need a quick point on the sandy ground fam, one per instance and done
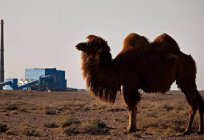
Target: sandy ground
(77, 116)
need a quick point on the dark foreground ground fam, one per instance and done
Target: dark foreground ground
(77, 116)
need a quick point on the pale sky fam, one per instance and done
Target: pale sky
(43, 33)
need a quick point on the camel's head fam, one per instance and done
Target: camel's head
(93, 46)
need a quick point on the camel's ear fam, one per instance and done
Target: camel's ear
(92, 37)
(97, 39)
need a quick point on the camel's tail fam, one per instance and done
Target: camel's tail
(202, 106)
(201, 101)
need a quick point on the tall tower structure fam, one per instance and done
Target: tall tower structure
(2, 53)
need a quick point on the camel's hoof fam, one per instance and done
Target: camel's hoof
(131, 130)
(200, 132)
(186, 133)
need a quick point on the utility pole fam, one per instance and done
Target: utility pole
(2, 53)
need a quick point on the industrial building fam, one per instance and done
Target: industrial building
(48, 79)
(41, 79)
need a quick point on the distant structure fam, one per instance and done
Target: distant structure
(40, 79)
(49, 78)
(2, 53)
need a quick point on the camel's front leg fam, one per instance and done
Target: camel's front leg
(131, 98)
(132, 120)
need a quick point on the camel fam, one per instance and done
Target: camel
(141, 65)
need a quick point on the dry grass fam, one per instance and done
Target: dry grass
(12, 133)
(93, 127)
(3, 128)
(69, 121)
(51, 110)
(51, 125)
(79, 116)
(163, 118)
(31, 132)
(11, 107)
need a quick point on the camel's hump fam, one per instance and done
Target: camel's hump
(166, 42)
(135, 41)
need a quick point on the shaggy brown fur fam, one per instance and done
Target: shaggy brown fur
(152, 67)
(135, 41)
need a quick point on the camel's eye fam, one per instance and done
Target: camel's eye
(94, 46)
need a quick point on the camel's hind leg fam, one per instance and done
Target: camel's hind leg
(192, 112)
(201, 114)
(185, 79)
(131, 98)
(195, 103)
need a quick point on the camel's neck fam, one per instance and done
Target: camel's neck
(100, 65)
(100, 75)
(99, 68)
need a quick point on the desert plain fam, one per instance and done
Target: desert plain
(78, 116)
